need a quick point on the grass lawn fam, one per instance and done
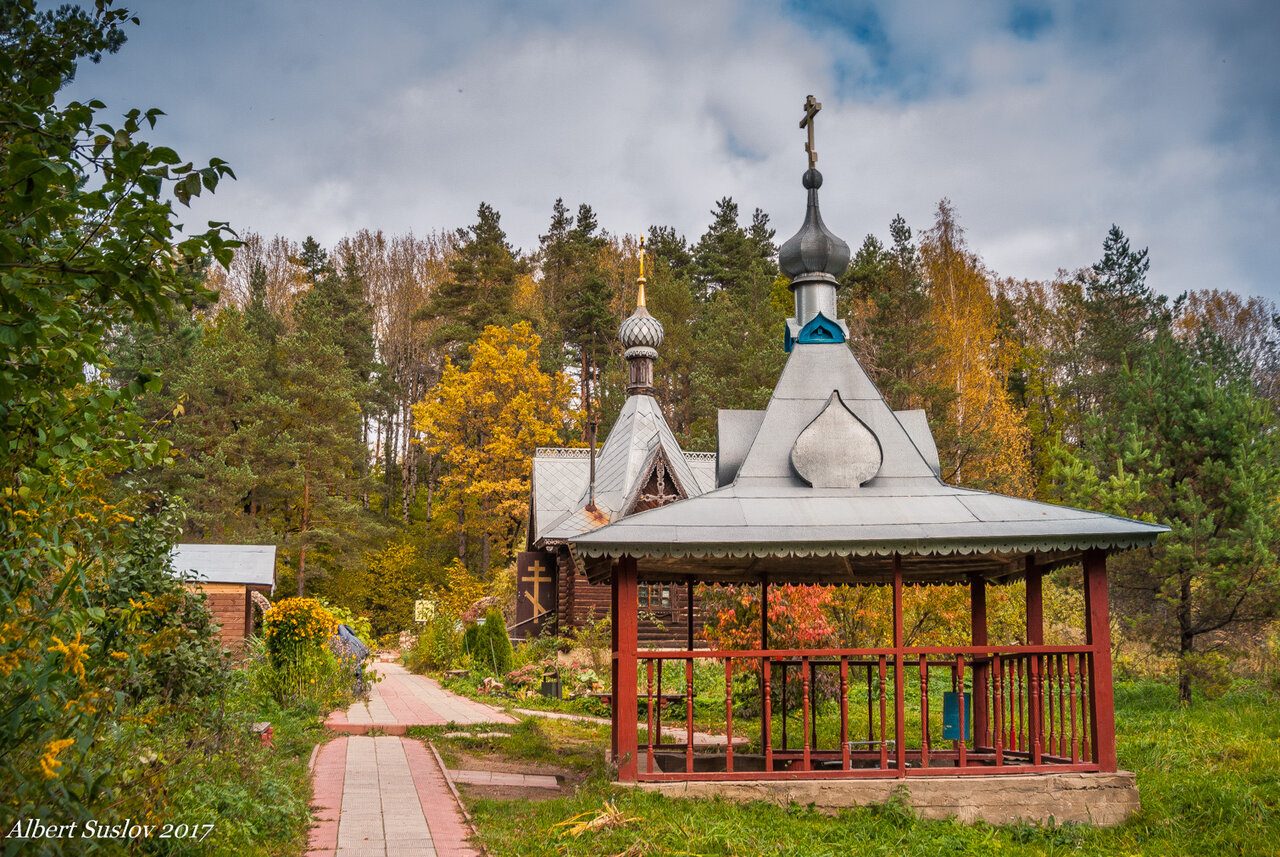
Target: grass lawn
(1209, 777)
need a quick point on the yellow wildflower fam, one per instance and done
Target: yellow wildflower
(49, 762)
(73, 654)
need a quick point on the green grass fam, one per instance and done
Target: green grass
(1209, 777)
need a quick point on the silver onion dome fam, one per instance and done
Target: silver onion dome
(640, 330)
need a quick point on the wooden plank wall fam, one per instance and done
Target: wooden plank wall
(227, 602)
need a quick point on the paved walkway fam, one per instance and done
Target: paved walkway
(384, 797)
(403, 699)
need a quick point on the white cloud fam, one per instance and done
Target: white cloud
(398, 116)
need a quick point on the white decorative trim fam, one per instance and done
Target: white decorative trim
(882, 549)
(562, 452)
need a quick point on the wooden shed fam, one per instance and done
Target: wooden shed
(227, 574)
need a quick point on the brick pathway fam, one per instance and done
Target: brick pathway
(384, 796)
(403, 699)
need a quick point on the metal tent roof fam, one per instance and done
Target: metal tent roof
(770, 521)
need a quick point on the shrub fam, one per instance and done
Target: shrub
(296, 635)
(488, 643)
(436, 648)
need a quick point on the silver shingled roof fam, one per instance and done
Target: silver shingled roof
(560, 476)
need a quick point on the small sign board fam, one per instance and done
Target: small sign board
(424, 610)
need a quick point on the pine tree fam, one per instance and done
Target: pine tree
(738, 326)
(1121, 314)
(589, 322)
(1189, 445)
(481, 287)
(887, 307)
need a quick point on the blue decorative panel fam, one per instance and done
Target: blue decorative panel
(955, 722)
(821, 330)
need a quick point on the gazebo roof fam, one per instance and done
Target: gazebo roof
(829, 483)
(768, 520)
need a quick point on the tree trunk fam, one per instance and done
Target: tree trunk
(1186, 638)
(484, 538)
(389, 462)
(302, 535)
(462, 531)
(431, 484)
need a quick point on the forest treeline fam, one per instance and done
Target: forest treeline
(371, 407)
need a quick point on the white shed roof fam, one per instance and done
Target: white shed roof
(248, 564)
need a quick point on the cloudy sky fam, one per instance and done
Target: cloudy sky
(1043, 122)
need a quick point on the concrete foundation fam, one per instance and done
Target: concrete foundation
(1104, 800)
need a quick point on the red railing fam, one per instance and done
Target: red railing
(1026, 709)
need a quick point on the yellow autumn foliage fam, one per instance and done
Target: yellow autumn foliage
(485, 422)
(984, 441)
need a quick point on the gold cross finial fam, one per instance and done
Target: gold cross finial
(811, 108)
(640, 296)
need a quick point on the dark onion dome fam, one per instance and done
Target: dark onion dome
(815, 249)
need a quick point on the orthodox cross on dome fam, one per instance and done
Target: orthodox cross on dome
(811, 108)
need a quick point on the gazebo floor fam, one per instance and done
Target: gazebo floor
(1101, 799)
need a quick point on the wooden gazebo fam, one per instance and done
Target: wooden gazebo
(828, 485)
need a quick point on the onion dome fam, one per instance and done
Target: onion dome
(641, 334)
(640, 330)
(815, 249)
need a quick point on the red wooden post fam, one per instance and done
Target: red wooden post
(766, 712)
(626, 608)
(899, 685)
(1035, 637)
(613, 665)
(649, 725)
(978, 609)
(844, 712)
(924, 711)
(961, 745)
(998, 691)
(884, 747)
(766, 715)
(1035, 603)
(728, 715)
(804, 712)
(1102, 719)
(688, 699)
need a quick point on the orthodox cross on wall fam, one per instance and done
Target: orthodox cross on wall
(811, 108)
(535, 587)
(535, 578)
